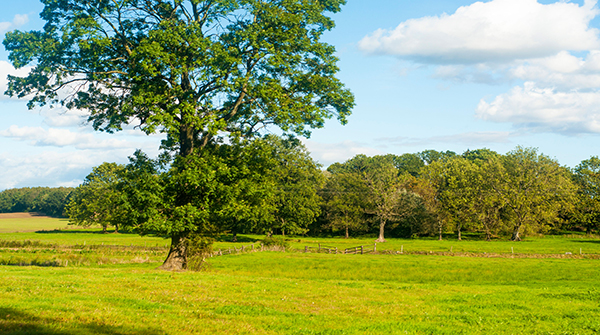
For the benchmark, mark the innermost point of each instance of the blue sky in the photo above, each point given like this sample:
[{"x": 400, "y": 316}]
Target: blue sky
[{"x": 430, "y": 74}]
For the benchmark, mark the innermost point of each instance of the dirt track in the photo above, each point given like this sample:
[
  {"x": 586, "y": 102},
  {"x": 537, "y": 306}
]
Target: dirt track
[{"x": 21, "y": 215}]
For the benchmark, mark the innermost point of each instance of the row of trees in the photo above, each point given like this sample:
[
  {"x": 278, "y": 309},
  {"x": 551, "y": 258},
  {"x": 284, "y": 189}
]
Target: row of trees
[
  {"x": 479, "y": 191},
  {"x": 45, "y": 200},
  {"x": 272, "y": 185}
]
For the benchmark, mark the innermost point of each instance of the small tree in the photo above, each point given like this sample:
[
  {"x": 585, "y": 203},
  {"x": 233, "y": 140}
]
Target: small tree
[
  {"x": 343, "y": 197},
  {"x": 587, "y": 179},
  {"x": 98, "y": 201},
  {"x": 297, "y": 179},
  {"x": 382, "y": 192},
  {"x": 531, "y": 185}
]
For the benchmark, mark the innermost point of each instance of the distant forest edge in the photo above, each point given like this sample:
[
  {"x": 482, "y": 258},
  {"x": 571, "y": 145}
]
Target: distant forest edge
[{"x": 50, "y": 201}]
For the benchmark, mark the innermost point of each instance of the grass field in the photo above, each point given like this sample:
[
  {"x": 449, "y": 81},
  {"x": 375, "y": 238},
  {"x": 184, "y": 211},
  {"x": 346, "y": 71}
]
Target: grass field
[
  {"x": 102, "y": 288},
  {"x": 29, "y": 222}
]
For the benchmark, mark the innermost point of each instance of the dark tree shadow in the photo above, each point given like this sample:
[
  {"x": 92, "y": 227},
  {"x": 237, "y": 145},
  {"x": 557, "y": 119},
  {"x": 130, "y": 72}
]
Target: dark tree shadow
[
  {"x": 240, "y": 238},
  {"x": 586, "y": 241},
  {"x": 81, "y": 231},
  {"x": 15, "y": 322}
]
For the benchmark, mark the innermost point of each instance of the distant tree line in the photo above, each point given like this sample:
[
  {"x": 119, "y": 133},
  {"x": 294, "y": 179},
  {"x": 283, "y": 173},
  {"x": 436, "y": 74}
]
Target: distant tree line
[
  {"x": 273, "y": 186},
  {"x": 480, "y": 191},
  {"x": 46, "y": 200}
]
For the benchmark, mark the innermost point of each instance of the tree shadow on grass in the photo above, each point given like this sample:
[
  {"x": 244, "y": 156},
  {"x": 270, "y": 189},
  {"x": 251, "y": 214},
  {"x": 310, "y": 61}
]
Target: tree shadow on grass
[
  {"x": 15, "y": 322},
  {"x": 586, "y": 241},
  {"x": 240, "y": 238},
  {"x": 83, "y": 231}
]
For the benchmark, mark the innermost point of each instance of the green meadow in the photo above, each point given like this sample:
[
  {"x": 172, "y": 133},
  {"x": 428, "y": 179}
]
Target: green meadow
[
  {"x": 27, "y": 223},
  {"x": 86, "y": 282}
]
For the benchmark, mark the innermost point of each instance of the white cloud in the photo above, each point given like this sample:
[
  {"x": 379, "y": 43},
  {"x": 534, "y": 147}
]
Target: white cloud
[
  {"x": 328, "y": 153},
  {"x": 50, "y": 168},
  {"x": 18, "y": 21},
  {"x": 63, "y": 117},
  {"x": 62, "y": 138},
  {"x": 494, "y": 31},
  {"x": 562, "y": 71},
  {"x": 5, "y": 69},
  {"x": 545, "y": 109}
]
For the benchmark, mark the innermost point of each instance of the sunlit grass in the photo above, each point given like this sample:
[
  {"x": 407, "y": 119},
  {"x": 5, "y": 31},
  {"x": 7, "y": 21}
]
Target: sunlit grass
[
  {"x": 292, "y": 293},
  {"x": 9, "y": 225},
  {"x": 86, "y": 282}
]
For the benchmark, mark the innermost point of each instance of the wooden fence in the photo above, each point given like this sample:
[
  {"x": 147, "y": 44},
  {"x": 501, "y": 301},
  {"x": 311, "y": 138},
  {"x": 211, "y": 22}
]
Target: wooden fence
[
  {"x": 321, "y": 248},
  {"x": 362, "y": 249},
  {"x": 246, "y": 248}
]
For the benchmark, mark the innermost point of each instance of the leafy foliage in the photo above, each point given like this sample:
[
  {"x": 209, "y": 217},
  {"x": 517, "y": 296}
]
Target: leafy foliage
[
  {"x": 202, "y": 72},
  {"x": 98, "y": 201},
  {"x": 587, "y": 178},
  {"x": 46, "y": 200}
]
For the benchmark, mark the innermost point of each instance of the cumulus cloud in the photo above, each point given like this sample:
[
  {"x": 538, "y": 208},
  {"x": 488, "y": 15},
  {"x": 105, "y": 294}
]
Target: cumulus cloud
[
  {"x": 545, "y": 109},
  {"x": 53, "y": 167},
  {"x": 47, "y": 169},
  {"x": 5, "y": 69},
  {"x": 328, "y": 153},
  {"x": 63, "y": 117},
  {"x": 552, "y": 49},
  {"x": 562, "y": 71},
  {"x": 494, "y": 31},
  {"x": 18, "y": 21},
  {"x": 61, "y": 138}
]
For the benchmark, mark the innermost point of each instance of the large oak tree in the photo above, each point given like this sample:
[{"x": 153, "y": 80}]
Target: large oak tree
[{"x": 198, "y": 71}]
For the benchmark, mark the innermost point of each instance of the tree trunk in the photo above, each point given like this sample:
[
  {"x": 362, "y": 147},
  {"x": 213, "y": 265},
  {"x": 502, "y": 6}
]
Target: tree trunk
[
  {"x": 116, "y": 229},
  {"x": 177, "y": 258},
  {"x": 234, "y": 238},
  {"x": 588, "y": 229},
  {"x": 381, "y": 228},
  {"x": 104, "y": 229},
  {"x": 347, "y": 235},
  {"x": 440, "y": 230},
  {"x": 515, "y": 235}
]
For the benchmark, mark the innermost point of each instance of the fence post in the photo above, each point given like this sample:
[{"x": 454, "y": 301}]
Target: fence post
[
  {"x": 375, "y": 248},
  {"x": 319, "y": 247},
  {"x": 401, "y": 249},
  {"x": 361, "y": 249},
  {"x": 336, "y": 250},
  {"x": 220, "y": 252},
  {"x": 252, "y": 246},
  {"x": 305, "y": 249},
  {"x": 242, "y": 248}
]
